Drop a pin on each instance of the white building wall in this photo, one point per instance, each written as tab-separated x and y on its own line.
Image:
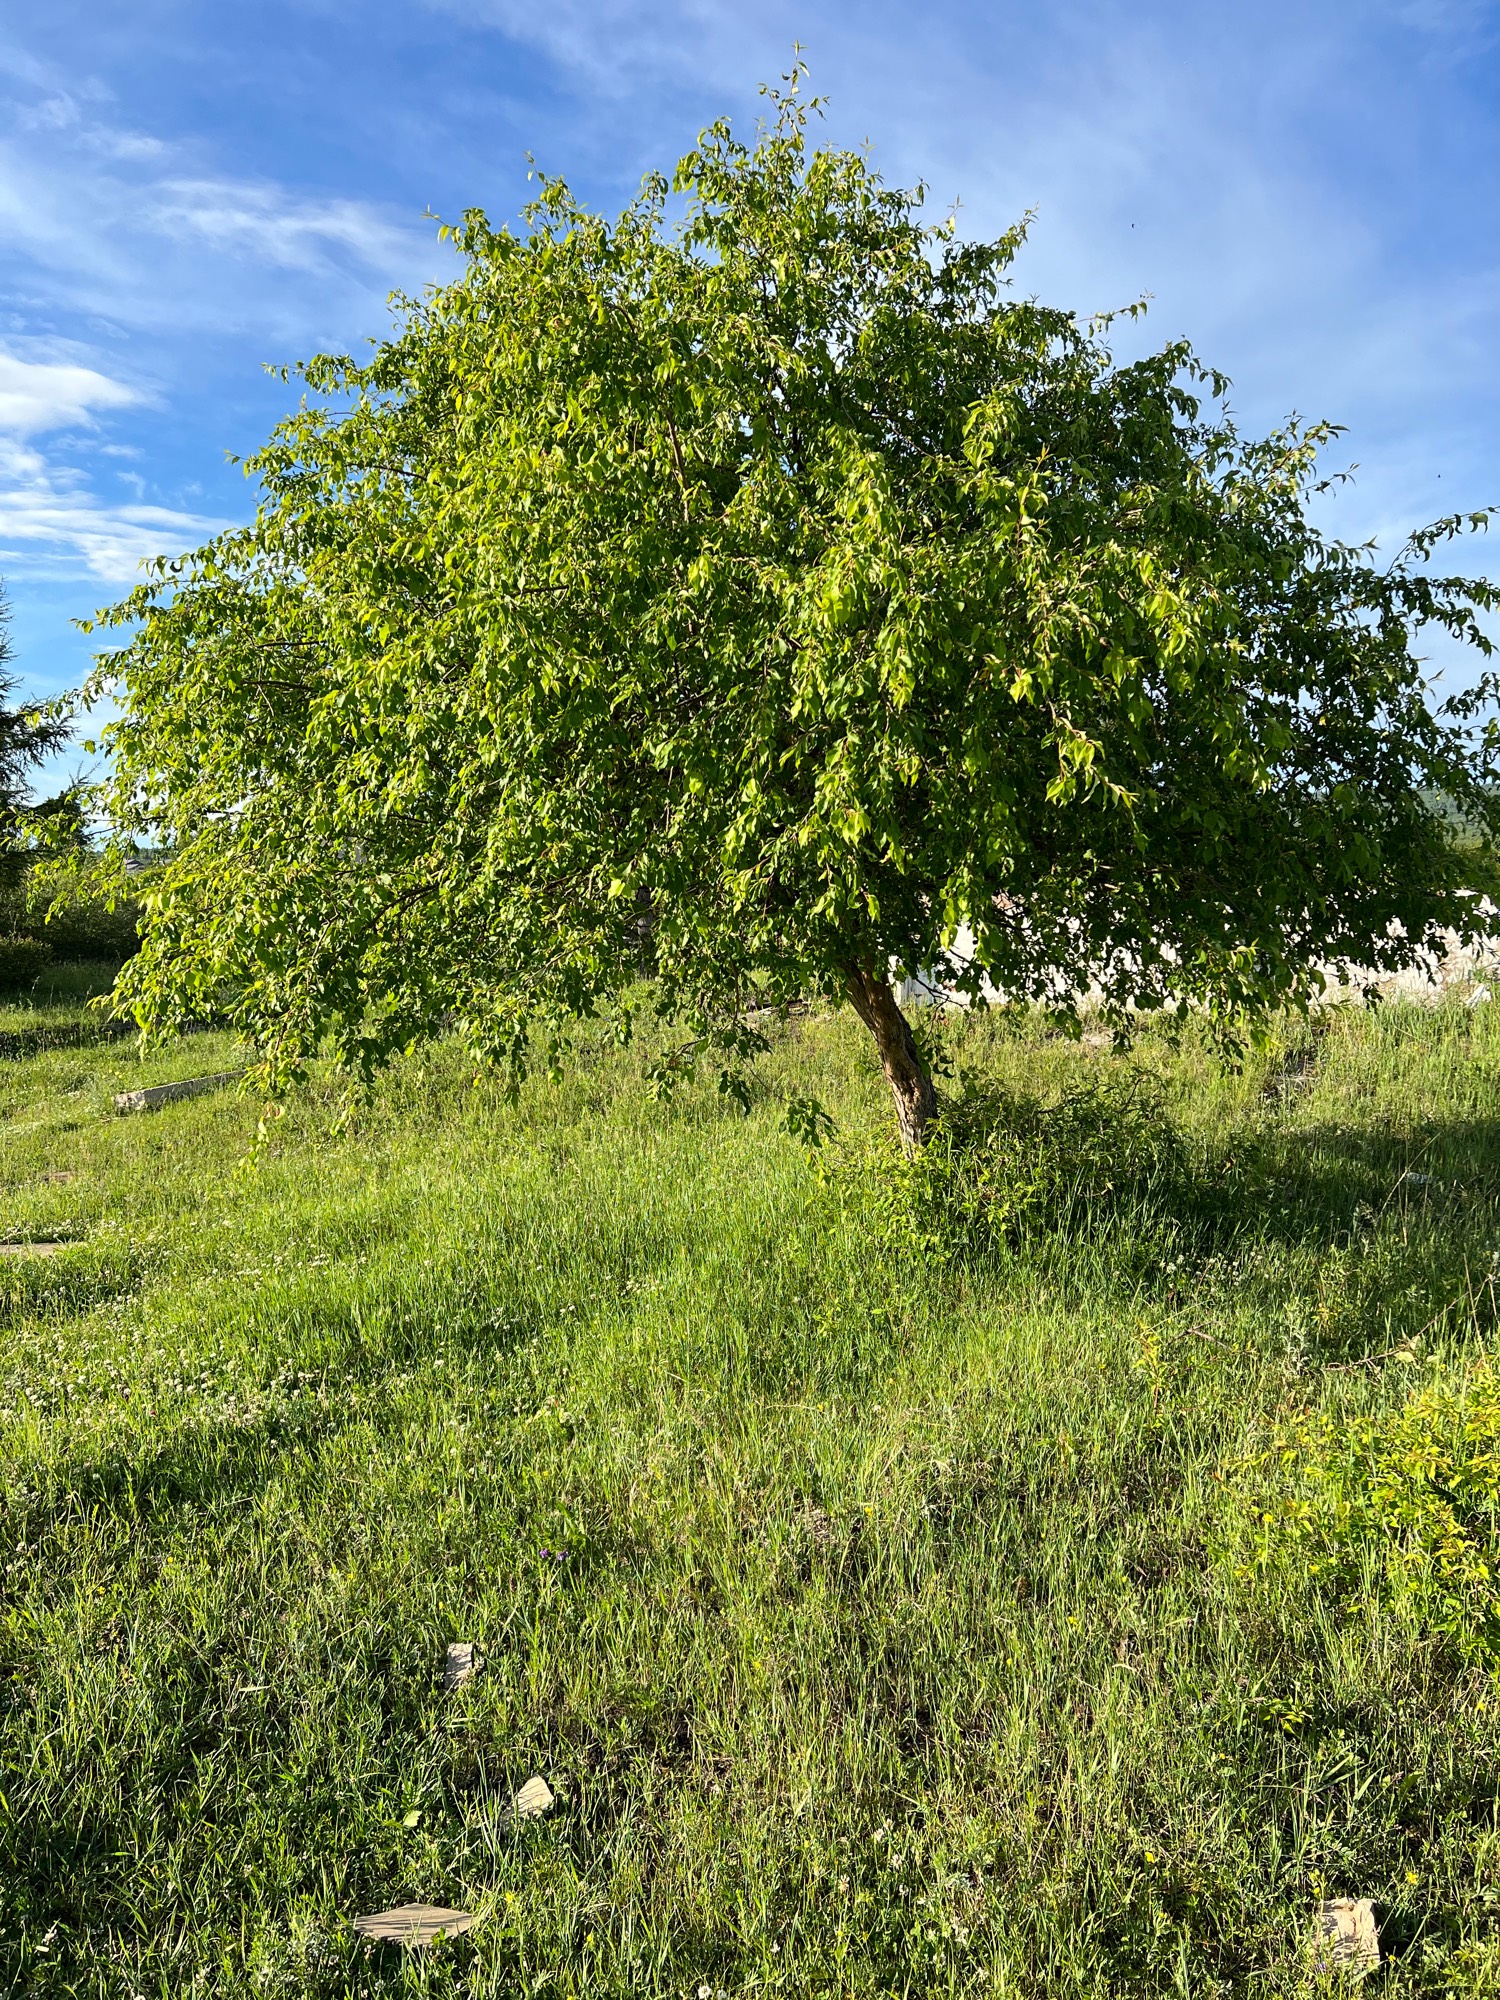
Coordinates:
1452	965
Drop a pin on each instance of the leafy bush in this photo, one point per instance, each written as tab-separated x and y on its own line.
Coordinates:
22	959
41	932
1407	1499
88	929
1001	1167
69	914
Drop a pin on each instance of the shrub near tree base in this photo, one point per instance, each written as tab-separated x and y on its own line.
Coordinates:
22	959
752	601
1004	1167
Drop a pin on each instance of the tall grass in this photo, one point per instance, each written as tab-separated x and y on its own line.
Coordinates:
865	1557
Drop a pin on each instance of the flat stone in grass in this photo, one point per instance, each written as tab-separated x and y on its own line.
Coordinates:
42	1249
414	1924
168	1093
460	1663
533	1799
1347	1938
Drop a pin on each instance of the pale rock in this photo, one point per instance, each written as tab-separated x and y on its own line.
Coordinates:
414	1924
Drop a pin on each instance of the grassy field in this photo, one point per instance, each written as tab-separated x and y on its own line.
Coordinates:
868	1561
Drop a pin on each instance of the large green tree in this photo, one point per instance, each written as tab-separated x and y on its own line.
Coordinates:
750	592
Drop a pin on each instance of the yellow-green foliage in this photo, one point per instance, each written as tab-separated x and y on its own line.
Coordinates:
1407	1499
76	913
765	562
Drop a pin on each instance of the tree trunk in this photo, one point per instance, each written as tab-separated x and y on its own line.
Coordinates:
905	1072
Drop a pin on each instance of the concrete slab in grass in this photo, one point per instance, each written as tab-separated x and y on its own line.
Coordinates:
168	1093
1347	1938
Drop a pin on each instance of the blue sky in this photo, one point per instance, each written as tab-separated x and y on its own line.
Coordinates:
1308	192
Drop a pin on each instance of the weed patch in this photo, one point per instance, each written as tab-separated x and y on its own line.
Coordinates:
1405	1502
1103	1162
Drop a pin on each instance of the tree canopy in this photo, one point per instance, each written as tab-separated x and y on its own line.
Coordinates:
748	593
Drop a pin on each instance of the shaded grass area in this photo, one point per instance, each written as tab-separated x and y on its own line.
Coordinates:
64	983
865	1566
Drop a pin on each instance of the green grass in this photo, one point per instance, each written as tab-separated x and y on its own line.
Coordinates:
60	987
875	1595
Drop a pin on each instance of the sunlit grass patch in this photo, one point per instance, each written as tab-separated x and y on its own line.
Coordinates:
1402	1501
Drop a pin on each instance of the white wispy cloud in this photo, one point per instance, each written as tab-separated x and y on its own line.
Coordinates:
1454	20
48	395
101	218
48	532
616	44
262	223
123	237
52	522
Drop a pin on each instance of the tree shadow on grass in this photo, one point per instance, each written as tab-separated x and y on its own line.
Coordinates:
1348	1236
1356	1240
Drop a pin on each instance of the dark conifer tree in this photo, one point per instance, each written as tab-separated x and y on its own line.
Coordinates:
26	738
